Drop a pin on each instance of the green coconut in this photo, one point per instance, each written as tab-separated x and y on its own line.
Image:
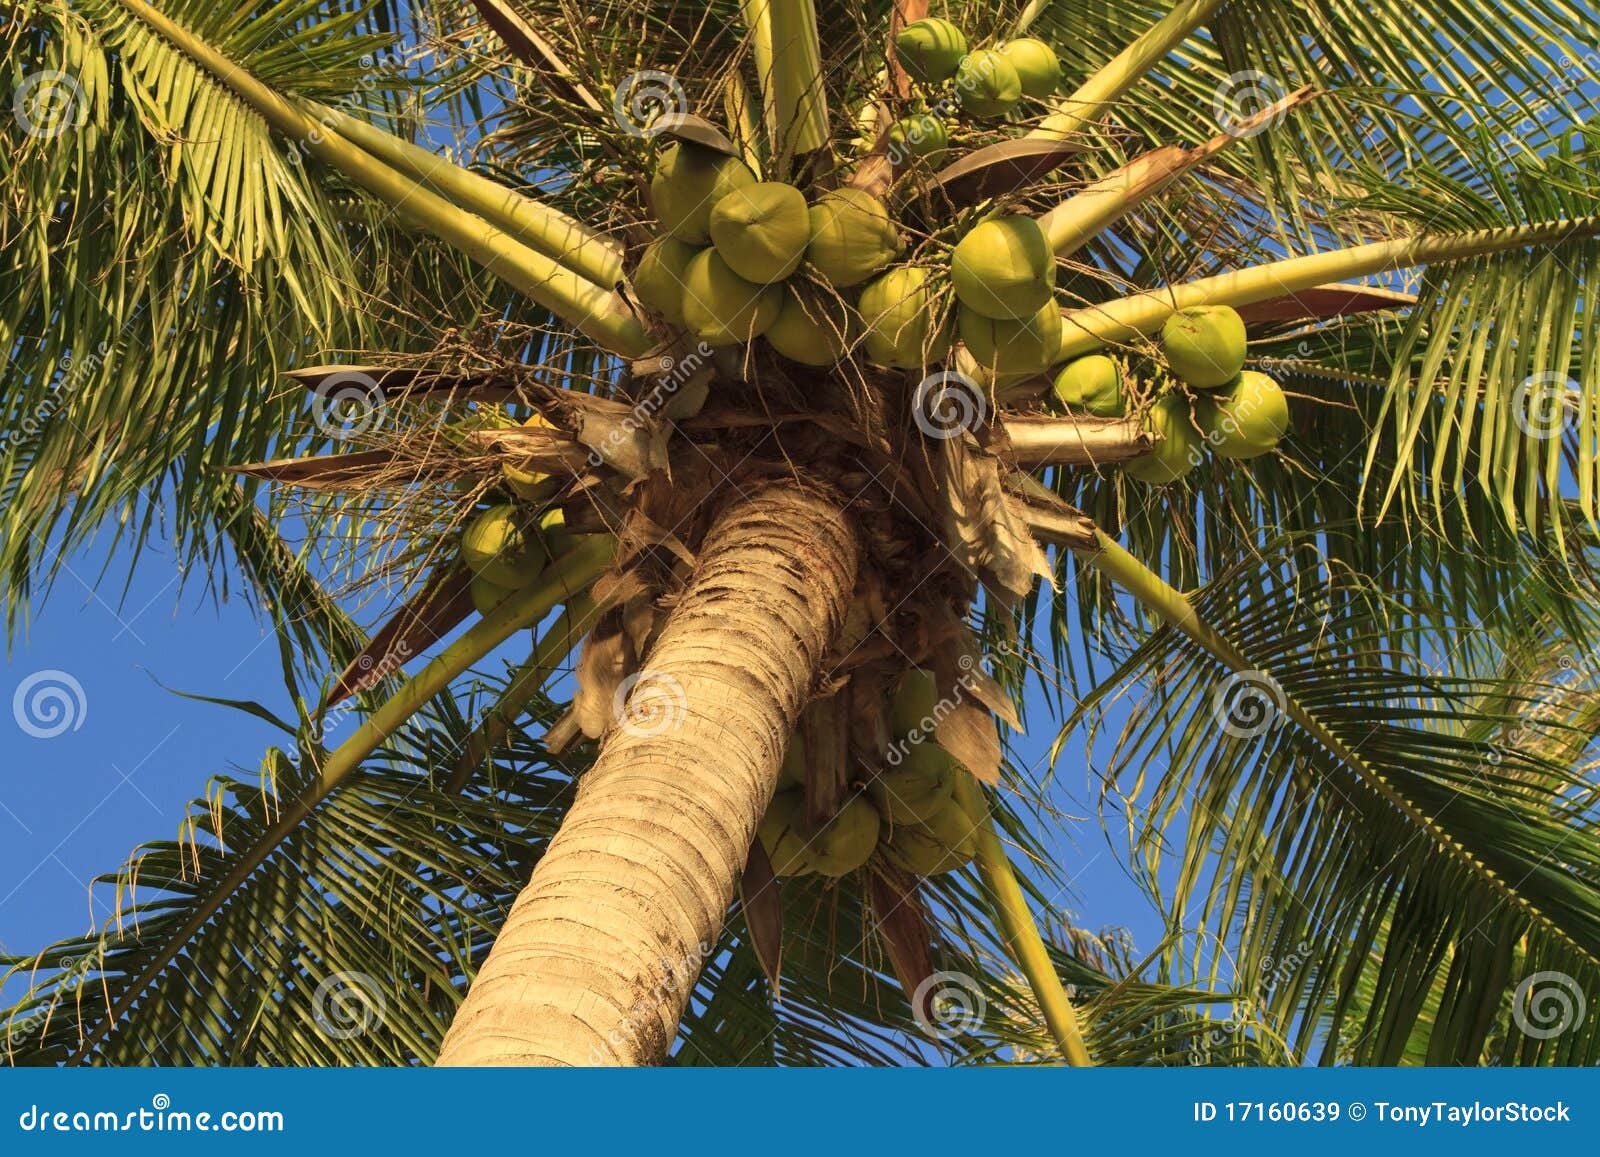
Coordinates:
1038	67
914	703
554	534
1003	268
1179	450
987	85
846	841
852	237
1245	419
722	308
486	596
922	136
1205	346
762	230
898	315
497	547
811	328
1093	384
658	281
943	842
785	845
1012	349
689	180
917	786
930	49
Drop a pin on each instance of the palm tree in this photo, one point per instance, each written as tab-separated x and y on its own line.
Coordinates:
1355	771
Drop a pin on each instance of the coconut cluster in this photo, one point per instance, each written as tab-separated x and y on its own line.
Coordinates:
985	82
910	814
507	546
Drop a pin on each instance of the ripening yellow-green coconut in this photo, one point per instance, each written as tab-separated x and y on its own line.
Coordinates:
943	842
987	85
1179	450
497	546
1013	349
722	308
811	328
1004	268
554	534
1038	67
922	136
658	281
915	703
930	49
1205	346
852	237
689	180
486	596
900	322
1093	384
1245	419
762	230
529	485
917	786
785	845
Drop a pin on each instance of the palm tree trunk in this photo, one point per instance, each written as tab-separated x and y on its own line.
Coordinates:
601	950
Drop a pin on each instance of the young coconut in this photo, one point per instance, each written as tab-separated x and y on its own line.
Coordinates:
658	281
943	842
917	786
486	596
722	308
897	311
1093	384
1013	349
1177	453
762	230
915	703
1245	419
987	85
785	846
930	49
811	328
852	237
689	180
497	548
918	136
796	846
1004	268
1038	67
1205	346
